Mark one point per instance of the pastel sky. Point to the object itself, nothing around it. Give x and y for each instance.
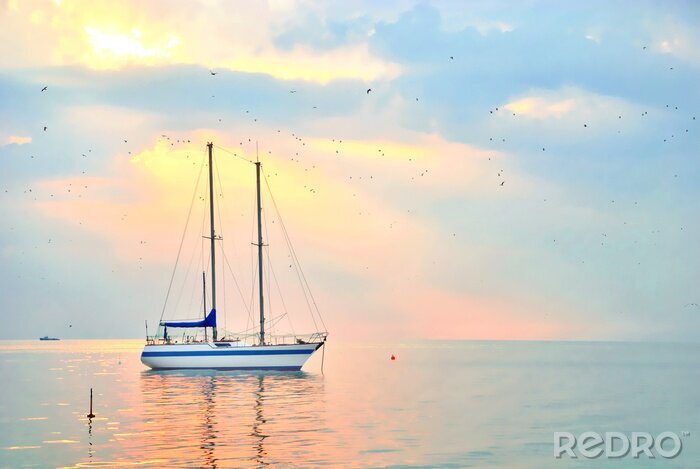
(519, 170)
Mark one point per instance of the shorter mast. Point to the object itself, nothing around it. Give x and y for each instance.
(204, 300)
(260, 258)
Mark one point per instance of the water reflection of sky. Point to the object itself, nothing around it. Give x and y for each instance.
(440, 403)
(214, 419)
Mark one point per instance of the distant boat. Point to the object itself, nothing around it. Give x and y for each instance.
(48, 338)
(256, 351)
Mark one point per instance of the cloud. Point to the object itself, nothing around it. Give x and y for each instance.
(594, 37)
(107, 36)
(541, 108)
(302, 63)
(115, 50)
(569, 108)
(17, 140)
(676, 39)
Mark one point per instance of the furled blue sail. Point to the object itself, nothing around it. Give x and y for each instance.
(209, 321)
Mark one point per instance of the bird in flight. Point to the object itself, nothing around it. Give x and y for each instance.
(212, 72)
(292, 91)
(45, 88)
(503, 182)
(368, 90)
(45, 128)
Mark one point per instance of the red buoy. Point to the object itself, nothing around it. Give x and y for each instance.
(393, 357)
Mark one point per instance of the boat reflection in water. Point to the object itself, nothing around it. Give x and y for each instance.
(210, 419)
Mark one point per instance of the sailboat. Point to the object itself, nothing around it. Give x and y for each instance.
(232, 352)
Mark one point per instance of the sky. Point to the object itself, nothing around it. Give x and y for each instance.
(445, 170)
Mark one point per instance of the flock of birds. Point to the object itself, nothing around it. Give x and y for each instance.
(300, 156)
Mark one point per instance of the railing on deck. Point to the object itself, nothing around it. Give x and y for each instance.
(244, 339)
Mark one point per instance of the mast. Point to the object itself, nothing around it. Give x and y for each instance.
(213, 235)
(260, 257)
(204, 300)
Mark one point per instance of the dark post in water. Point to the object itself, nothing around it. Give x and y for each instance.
(90, 415)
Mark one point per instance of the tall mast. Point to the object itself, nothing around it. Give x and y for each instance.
(260, 258)
(213, 234)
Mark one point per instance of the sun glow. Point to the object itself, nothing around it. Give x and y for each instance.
(111, 50)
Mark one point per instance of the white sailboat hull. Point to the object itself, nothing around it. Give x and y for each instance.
(227, 357)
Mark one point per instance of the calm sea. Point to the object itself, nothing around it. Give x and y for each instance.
(439, 404)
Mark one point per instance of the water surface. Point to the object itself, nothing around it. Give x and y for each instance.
(450, 404)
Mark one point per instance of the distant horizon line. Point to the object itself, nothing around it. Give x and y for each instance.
(414, 340)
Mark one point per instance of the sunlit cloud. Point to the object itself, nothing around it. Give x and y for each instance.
(457, 19)
(486, 27)
(100, 36)
(594, 37)
(17, 140)
(110, 50)
(302, 63)
(540, 108)
(569, 109)
(676, 40)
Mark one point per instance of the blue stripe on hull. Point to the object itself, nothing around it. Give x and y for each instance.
(237, 368)
(216, 353)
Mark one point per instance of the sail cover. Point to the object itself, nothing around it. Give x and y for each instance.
(209, 321)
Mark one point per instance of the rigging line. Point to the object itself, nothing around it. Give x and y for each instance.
(187, 275)
(253, 263)
(223, 284)
(221, 231)
(184, 280)
(182, 240)
(253, 241)
(202, 242)
(234, 154)
(252, 300)
(218, 208)
(267, 282)
(297, 264)
(254, 331)
(238, 288)
(279, 290)
(194, 290)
